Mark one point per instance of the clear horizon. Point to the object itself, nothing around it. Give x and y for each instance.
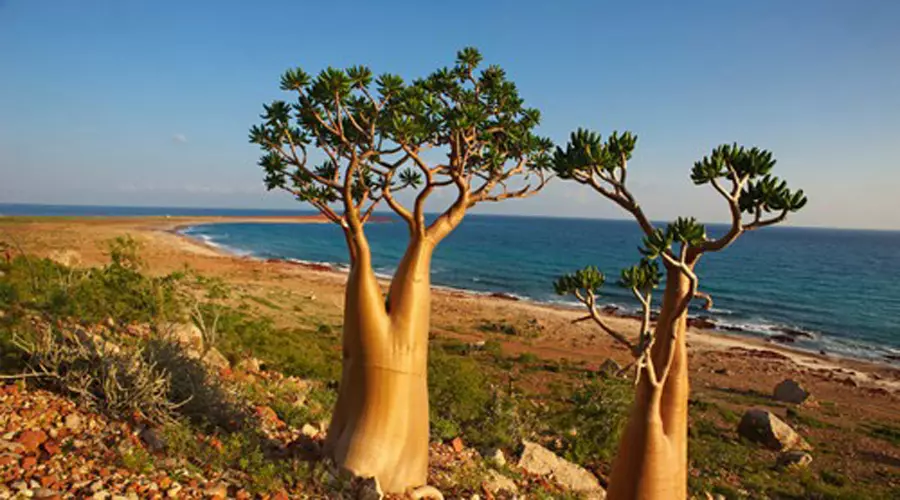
(105, 103)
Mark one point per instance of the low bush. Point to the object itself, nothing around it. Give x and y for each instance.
(592, 418)
(463, 402)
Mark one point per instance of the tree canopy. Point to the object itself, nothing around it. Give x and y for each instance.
(375, 133)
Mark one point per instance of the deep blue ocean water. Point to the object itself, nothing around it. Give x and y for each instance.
(840, 286)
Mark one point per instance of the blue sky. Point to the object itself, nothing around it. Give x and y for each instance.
(148, 103)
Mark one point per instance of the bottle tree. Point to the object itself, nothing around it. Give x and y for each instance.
(464, 129)
(652, 459)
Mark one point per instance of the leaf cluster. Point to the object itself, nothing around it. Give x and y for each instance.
(372, 129)
(749, 169)
(587, 152)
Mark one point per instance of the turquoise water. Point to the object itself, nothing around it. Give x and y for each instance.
(839, 286)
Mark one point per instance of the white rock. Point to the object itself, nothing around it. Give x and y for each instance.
(496, 483)
(540, 461)
(309, 430)
(495, 456)
(761, 426)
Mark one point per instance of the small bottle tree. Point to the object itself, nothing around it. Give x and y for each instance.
(652, 458)
(462, 128)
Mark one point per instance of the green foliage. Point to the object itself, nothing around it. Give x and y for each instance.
(586, 150)
(462, 403)
(298, 352)
(644, 276)
(366, 127)
(118, 290)
(593, 418)
(590, 279)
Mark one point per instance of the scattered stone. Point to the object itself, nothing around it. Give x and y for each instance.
(538, 460)
(174, 491)
(250, 365)
(188, 335)
(761, 426)
(73, 422)
(790, 391)
(495, 456)
(610, 368)
(457, 444)
(152, 439)
(309, 430)
(216, 360)
(369, 489)
(426, 492)
(795, 459)
(217, 490)
(31, 440)
(496, 483)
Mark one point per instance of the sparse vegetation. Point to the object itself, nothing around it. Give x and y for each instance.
(486, 397)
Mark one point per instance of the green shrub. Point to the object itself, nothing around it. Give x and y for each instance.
(118, 290)
(593, 417)
(463, 403)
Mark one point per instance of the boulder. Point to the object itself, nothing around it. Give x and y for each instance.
(540, 461)
(215, 359)
(761, 426)
(496, 483)
(795, 459)
(186, 334)
(790, 391)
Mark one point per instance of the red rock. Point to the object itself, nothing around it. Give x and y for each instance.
(268, 415)
(242, 495)
(28, 463)
(280, 495)
(457, 444)
(6, 460)
(31, 440)
(51, 447)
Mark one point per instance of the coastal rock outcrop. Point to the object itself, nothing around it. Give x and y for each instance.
(761, 426)
(540, 461)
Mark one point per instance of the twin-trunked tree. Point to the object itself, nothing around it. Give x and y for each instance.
(652, 458)
(464, 129)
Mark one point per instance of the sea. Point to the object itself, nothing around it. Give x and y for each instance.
(831, 290)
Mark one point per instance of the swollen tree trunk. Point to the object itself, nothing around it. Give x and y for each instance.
(652, 458)
(380, 423)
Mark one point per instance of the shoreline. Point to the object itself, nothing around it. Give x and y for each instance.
(750, 363)
(711, 337)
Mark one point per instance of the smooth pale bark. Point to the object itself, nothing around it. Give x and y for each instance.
(652, 458)
(380, 423)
